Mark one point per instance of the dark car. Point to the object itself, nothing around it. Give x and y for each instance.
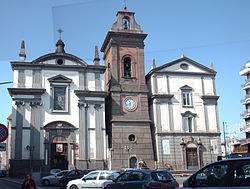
(73, 174)
(143, 179)
(230, 173)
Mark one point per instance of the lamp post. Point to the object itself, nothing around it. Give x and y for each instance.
(30, 149)
(128, 149)
(211, 152)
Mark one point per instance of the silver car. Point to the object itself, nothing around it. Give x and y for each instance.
(53, 179)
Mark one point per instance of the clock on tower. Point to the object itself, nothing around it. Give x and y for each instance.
(127, 103)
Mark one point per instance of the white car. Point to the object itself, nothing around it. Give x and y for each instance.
(94, 179)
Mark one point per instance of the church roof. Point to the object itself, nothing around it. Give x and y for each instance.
(182, 59)
(59, 55)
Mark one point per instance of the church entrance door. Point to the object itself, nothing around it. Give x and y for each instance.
(192, 158)
(59, 153)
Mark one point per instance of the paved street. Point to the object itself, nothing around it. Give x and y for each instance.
(9, 183)
(4, 184)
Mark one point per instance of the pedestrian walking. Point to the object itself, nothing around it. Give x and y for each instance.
(29, 183)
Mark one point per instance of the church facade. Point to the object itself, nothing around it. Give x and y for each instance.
(68, 114)
(183, 109)
(58, 113)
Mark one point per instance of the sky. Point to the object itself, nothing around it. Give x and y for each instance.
(207, 31)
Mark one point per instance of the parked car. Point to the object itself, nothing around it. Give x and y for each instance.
(53, 179)
(143, 179)
(3, 173)
(230, 173)
(54, 171)
(73, 174)
(94, 179)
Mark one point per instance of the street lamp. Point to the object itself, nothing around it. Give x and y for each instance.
(30, 149)
(128, 149)
(211, 152)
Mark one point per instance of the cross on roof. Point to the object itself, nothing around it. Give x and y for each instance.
(125, 2)
(60, 32)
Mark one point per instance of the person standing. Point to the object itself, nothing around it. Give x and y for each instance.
(29, 183)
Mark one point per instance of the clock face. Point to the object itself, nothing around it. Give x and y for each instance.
(130, 104)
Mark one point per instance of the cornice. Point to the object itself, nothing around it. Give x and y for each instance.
(26, 91)
(83, 93)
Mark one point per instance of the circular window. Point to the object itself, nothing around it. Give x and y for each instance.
(184, 66)
(131, 138)
(59, 61)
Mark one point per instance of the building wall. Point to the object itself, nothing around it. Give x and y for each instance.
(167, 111)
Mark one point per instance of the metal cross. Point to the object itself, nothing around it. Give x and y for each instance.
(125, 2)
(60, 32)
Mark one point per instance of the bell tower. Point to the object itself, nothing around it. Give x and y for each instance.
(127, 114)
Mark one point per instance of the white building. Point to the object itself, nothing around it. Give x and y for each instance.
(183, 109)
(57, 113)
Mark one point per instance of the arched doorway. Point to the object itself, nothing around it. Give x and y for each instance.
(59, 145)
(59, 153)
(133, 162)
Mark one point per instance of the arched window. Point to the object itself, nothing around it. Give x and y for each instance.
(127, 67)
(125, 23)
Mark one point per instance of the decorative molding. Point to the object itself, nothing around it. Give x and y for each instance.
(98, 106)
(19, 103)
(188, 113)
(60, 79)
(35, 103)
(83, 93)
(26, 91)
(83, 105)
(186, 87)
(210, 99)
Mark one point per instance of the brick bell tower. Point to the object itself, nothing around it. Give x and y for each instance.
(127, 112)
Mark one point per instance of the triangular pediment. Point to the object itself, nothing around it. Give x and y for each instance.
(186, 87)
(184, 65)
(60, 79)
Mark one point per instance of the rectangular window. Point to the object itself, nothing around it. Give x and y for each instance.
(59, 98)
(188, 124)
(165, 146)
(186, 99)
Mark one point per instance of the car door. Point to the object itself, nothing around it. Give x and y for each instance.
(240, 175)
(89, 181)
(136, 180)
(213, 176)
(120, 181)
(104, 177)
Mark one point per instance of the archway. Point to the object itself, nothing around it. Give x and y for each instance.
(59, 145)
(133, 162)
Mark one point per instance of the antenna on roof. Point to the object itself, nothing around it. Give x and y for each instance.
(60, 32)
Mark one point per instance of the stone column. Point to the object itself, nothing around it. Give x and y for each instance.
(99, 135)
(19, 129)
(83, 134)
(35, 127)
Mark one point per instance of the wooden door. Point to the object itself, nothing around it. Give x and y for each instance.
(192, 158)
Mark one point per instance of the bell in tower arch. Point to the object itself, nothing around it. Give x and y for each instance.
(126, 23)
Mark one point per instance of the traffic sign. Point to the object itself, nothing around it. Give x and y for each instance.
(3, 133)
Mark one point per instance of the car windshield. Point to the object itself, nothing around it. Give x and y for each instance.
(162, 176)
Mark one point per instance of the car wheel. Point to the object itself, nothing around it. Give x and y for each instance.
(73, 187)
(46, 182)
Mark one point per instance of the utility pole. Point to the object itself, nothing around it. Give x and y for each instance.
(225, 139)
